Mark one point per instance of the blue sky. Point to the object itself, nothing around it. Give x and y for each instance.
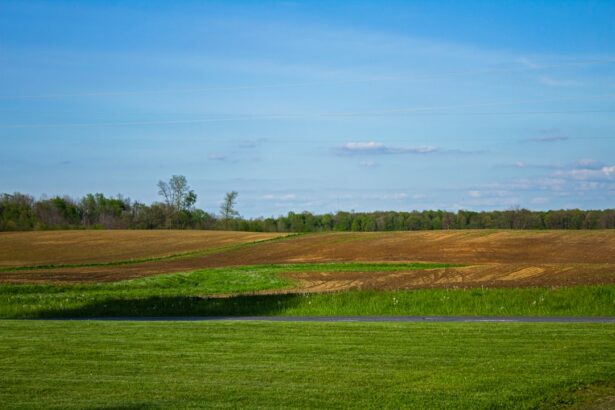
(314, 106)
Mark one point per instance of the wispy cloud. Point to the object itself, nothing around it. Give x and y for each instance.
(528, 63)
(368, 164)
(489, 193)
(520, 164)
(217, 157)
(553, 82)
(530, 165)
(588, 173)
(377, 148)
(489, 197)
(548, 135)
(539, 200)
(251, 143)
(279, 197)
(234, 157)
(553, 138)
(588, 163)
(574, 183)
(396, 196)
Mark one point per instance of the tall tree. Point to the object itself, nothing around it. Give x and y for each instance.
(227, 209)
(177, 193)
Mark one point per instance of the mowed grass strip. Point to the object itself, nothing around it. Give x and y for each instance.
(231, 291)
(134, 365)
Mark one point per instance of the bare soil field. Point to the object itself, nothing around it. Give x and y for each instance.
(492, 258)
(464, 246)
(80, 247)
(474, 276)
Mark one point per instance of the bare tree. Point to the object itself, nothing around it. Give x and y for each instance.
(177, 193)
(227, 209)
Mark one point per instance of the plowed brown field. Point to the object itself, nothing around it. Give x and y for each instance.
(80, 247)
(493, 258)
(486, 275)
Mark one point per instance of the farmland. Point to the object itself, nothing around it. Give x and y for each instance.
(307, 205)
(88, 247)
(124, 364)
(488, 258)
(223, 273)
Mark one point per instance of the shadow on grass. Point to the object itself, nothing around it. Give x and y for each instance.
(246, 305)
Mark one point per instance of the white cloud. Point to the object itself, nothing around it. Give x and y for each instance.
(551, 138)
(587, 162)
(368, 164)
(488, 193)
(217, 157)
(279, 197)
(528, 63)
(528, 165)
(583, 173)
(251, 143)
(576, 182)
(539, 200)
(362, 146)
(548, 135)
(553, 82)
(378, 148)
(398, 196)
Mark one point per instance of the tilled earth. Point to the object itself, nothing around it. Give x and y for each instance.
(93, 246)
(491, 258)
(487, 275)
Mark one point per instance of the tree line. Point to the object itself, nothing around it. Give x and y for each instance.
(176, 210)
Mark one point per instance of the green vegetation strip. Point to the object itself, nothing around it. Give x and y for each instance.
(203, 252)
(176, 292)
(194, 293)
(138, 365)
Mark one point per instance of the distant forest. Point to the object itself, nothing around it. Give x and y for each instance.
(176, 210)
(19, 212)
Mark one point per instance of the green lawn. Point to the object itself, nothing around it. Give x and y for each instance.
(135, 365)
(187, 294)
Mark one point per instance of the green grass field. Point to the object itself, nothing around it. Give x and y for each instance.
(137, 365)
(188, 294)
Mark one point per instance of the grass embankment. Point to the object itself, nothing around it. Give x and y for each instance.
(183, 294)
(133, 365)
